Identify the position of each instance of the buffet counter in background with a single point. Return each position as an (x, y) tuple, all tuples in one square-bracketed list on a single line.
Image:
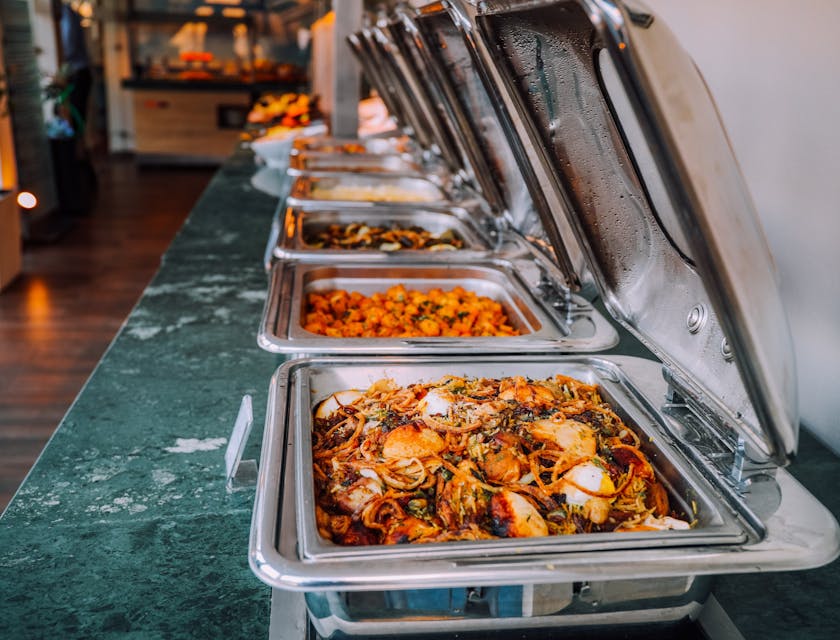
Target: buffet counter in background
[(170, 115), (125, 525)]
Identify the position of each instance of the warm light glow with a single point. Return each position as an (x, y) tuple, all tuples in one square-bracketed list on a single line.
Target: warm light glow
[(233, 12), (204, 11), (38, 307), (227, 2), (27, 200), (85, 9)]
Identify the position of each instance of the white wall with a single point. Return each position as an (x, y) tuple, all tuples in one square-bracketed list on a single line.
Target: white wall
[(774, 69)]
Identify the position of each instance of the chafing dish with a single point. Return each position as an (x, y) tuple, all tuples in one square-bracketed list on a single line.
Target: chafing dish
[(299, 224), (594, 95), (734, 533), (545, 321)]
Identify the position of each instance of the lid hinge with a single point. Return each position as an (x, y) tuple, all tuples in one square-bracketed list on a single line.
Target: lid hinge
[(560, 298), (712, 443)]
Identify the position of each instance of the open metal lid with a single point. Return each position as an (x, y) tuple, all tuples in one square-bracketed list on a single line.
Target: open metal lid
[(420, 92), (624, 128), (384, 64), (360, 46), (479, 123)]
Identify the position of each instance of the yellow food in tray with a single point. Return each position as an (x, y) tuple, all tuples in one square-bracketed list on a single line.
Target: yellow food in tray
[(479, 458), (377, 193), (402, 313)]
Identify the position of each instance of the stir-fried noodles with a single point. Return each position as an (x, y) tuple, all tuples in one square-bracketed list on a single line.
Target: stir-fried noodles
[(467, 459)]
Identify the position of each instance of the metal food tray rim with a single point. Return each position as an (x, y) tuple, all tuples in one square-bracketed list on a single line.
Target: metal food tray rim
[(801, 534)]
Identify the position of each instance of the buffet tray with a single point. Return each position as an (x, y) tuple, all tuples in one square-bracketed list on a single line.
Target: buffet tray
[(286, 551), (572, 325), (297, 223), (365, 191)]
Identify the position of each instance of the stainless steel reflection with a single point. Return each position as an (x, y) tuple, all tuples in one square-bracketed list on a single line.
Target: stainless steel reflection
[(286, 552), (559, 324), (297, 225)]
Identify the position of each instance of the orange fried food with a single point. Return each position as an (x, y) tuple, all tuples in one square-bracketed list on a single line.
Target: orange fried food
[(405, 313)]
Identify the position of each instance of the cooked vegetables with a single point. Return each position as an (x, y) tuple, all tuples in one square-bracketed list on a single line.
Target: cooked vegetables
[(402, 313), (467, 459)]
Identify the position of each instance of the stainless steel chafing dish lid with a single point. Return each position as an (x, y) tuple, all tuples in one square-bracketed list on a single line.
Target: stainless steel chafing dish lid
[(488, 145), (420, 94), (360, 47), (624, 125), (380, 67)]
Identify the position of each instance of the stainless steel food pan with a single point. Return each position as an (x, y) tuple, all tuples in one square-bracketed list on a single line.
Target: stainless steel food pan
[(573, 326), (781, 527), (378, 163), (364, 190), (298, 224)]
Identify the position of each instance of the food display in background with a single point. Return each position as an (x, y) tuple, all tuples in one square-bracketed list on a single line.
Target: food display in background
[(480, 458), (357, 235), (401, 313), (286, 111), (346, 147)]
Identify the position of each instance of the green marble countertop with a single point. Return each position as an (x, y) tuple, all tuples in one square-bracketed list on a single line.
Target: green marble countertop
[(124, 527), (124, 524)]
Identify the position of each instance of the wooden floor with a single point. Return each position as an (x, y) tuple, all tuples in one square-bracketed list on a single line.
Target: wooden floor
[(57, 319)]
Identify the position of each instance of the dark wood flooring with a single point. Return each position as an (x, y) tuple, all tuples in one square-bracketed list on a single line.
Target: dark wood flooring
[(57, 319)]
